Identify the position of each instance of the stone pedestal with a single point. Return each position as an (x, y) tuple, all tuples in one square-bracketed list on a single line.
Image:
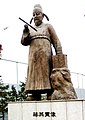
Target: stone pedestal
[(47, 110)]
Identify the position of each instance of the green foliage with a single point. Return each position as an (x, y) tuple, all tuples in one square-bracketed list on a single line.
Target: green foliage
[(21, 93), (3, 97), (7, 95), (13, 96)]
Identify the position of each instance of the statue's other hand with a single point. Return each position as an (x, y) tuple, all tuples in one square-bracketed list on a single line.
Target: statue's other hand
[(26, 29)]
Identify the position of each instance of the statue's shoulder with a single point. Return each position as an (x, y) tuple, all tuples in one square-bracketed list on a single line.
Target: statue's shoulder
[(50, 26), (47, 24)]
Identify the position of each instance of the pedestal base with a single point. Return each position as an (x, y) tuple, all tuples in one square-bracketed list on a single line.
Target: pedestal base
[(47, 110)]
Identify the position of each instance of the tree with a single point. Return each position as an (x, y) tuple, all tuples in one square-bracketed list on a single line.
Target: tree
[(21, 93), (7, 95), (13, 96), (17, 95), (3, 98)]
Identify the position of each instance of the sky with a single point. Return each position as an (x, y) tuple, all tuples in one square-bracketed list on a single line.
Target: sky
[(67, 18)]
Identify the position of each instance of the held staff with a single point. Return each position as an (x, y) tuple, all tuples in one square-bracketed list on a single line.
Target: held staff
[(27, 24)]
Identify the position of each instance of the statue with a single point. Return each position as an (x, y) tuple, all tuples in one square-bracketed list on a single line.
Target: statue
[(62, 85), (46, 74), (40, 54)]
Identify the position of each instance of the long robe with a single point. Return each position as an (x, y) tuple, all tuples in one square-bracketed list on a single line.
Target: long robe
[(40, 53)]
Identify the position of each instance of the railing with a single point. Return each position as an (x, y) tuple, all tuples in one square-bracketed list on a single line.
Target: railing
[(13, 72)]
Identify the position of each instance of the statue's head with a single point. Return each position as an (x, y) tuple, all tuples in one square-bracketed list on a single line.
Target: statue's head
[(38, 15)]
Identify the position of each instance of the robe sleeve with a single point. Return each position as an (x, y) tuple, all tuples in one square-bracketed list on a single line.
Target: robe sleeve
[(25, 39), (54, 40)]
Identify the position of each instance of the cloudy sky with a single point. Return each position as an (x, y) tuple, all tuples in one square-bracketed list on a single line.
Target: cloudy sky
[(66, 16)]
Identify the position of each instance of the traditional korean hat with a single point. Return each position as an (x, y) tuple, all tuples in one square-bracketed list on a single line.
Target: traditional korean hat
[(38, 6)]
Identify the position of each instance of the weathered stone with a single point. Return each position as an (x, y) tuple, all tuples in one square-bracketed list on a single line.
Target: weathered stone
[(62, 85), (40, 53), (59, 61)]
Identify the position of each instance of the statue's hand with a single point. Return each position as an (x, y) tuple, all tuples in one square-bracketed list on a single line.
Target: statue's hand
[(26, 29)]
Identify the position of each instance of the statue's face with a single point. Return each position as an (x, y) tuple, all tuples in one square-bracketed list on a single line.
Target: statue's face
[(37, 16)]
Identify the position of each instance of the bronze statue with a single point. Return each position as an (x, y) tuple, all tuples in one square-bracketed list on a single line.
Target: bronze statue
[(40, 54)]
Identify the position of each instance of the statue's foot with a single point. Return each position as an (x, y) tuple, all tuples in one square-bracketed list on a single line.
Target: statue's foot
[(49, 97), (34, 97), (30, 98)]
